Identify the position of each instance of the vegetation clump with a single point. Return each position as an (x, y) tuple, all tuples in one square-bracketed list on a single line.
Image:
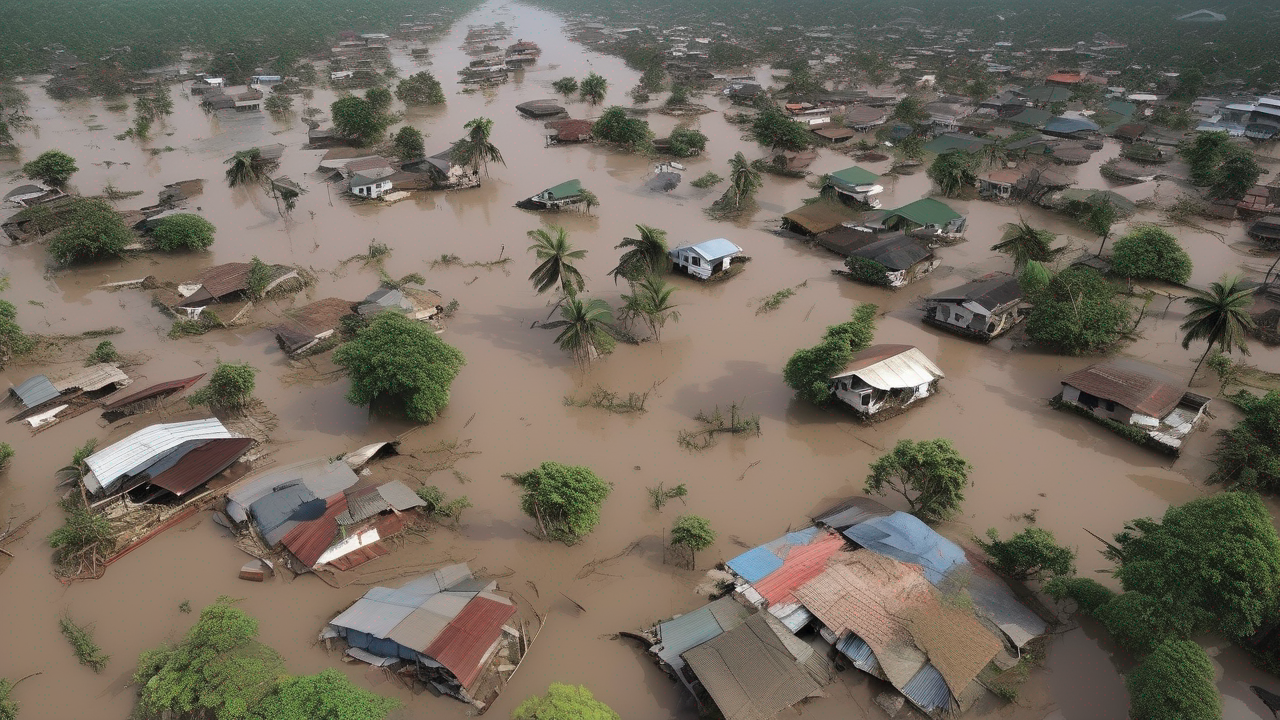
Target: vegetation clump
[(930, 475), (1028, 554), (230, 388), (1149, 252), (105, 352), (744, 182), (866, 270), (1248, 454), (81, 639), (409, 144), (184, 231), (6, 454), (650, 303), (693, 532), (686, 142), (615, 126), (440, 506), (13, 341), (661, 495), (1077, 312), (592, 88), (565, 85), (359, 119), (52, 167), (398, 363), (714, 424), (1024, 244), (775, 130), (93, 231), (953, 172), (565, 500), (420, 88), (1175, 681), (809, 370), (564, 702), (707, 180)]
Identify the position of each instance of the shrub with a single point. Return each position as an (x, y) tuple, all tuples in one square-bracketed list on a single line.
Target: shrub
[(12, 340), (614, 126), (104, 353), (409, 143), (1027, 554), (564, 702), (809, 370), (1175, 681), (1088, 593), (686, 142), (81, 639), (83, 534), (278, 103), (1077, 313), (565, 86), (707, 180), (397, 362), (184, 231), (1248, 454), (230, 387), (93, 232), (1150, 252), (564, 499), (1140, 622), (420, 88), (53, 167), (867, 270), (6, 454)]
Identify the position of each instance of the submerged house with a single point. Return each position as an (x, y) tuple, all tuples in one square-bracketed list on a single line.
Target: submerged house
[(447, 629), (444, 172), (223, 291), (707, 258), (1266, 230), (369, 177), (903, 257), (1167, 413), (556, 197), (46, 401), (885, 377), (413, 303), (349, 529), (568, 130), (854, 184), (925, 214), (819, 217), (540, 108), (311, 325), (123, 404), (985, 308), (164, 460)]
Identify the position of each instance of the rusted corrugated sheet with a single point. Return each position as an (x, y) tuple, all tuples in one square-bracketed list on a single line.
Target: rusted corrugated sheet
[(1135, 390), (200, 465), (154, 391), (463, 644), (308, 540), (225, 279)]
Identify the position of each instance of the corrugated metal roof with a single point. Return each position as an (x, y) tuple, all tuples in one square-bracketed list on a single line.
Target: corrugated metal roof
[(425, 623), (860, 654), (995, 601), (851, 512), (462, 646), (323, 477), (895, 252), (749, 673), (755, 564), (382, 608), (373, 617), (281, 511), (35, 390), (904, 537), (715, 249), (854, 177), (690, 630), (153, 391), (988, 292), (802, 564), (1135, 390), (201, 464), (399, 496), (362, 503), (141, 448), (928, 690), (308, 539), (94, 377), (888, 367)]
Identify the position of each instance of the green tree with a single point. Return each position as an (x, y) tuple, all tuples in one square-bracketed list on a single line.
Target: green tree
[(615, 126), (1219, 317), (1089, 594), (773, 128), (278, 104), (13, 341), (652, 78), (248, 167), (53, 167), (866, 270), (744, 181), (1190, 82), (1099, 217), (379, 97), (1203, 152), (1025, 244), (1248, 454), (564, 702), (400, 363), (650, 302), (1028, 554), (420, 88), (408, 142), (1078, 312), (359, 119), (564, 499), (645, 255), (809, 370), (1175, 681), (6, 454), (1034, 278), (93, 232), (593, 88), (679, 96), (9, 707), (1140, 622), (953, 172), (911, 110), (693, 532), (565, 86), (585, 333), (230, 387), (686, 142), (912, 147), (328, 695), (1149, 252), (556, 259), (477, 148), (105, 352), (1235, 175), (184, 231), (930, 475)]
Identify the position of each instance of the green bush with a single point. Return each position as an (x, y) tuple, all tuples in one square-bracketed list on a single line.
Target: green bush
[(564, 499), (809, 370), (615, 126), (420, 88), (397, 362), (867, 270), (1088, 594), (184, 231), (1176, 682), (81, 639), (564, 702), (93, 232), (565, 86), (686, 142), (930, 474), (13, 341), (707, 180), (6, 454), (1248, 454), (1028, 554), (1140, 622), (1149, 252), (104, 353), (53, 167), (230, 387), (1078, 312), (693, 532)]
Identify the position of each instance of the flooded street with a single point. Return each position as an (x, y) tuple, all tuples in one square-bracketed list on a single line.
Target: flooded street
[(508, 401)]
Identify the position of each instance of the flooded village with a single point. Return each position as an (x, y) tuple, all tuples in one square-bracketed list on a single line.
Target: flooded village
[(718, 367)]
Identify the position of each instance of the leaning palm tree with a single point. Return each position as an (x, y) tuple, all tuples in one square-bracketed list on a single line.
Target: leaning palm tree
[(585, 335), (556, 258), (744, 181), (247, 167), (645, 255), (1024, 243), (476, 149), (1219, 317), (650, 302)]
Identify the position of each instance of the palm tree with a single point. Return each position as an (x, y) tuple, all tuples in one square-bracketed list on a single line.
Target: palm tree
[(744, 180), (1024, 243), (476, 149), (593, 88), (585, 334), (650, 301), (646, 255), (556, 267), (1220, 316), (247, 167)]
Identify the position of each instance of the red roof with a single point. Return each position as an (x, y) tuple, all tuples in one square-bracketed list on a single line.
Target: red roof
[(462, 645), (310, 539), (802, 564), (156, 390), (1065, 78), (198, 466), (1133, 389)]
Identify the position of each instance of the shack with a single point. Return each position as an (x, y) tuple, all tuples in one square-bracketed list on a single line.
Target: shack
[(369, 177), (444, 172), (556, 197), (856, 185), (819, 217), (904, 258), (568, 130), (414, 303), (707, 258), (164, 460), (885, 377), (46, 401), (1133, 397), (312, 325), (228, 287), (349, 531), (984, 309), (540, 108), (123, 404), (928, 214), (999, 183)]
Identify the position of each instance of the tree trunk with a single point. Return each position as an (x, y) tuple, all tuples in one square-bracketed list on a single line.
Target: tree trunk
[(1202, 357)]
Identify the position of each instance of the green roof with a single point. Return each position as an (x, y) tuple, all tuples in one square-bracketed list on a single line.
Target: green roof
[(1120, 107), (926, 212), (1032, 117), (566, 189), (1047, 93), (854, 177), (952, 142)]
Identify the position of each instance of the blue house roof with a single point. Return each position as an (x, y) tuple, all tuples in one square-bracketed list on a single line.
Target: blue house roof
[(715, 249), (905, 538), (694, 628), (757, 563)]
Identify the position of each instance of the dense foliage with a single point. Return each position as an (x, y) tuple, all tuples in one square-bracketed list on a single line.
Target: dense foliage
[(930, 475), (650, 302), (328, 695), (53, 167), (1175, 681), (1088, 594), (693, 532), (93, 232), (6, 454), (809, 370), (564, 702), (420, 88), (1026, 244), (1028, 554), (1078, 312), (409, 144), (400, 363), (105, 352), (615, 126), (13, 341), (565, 85), (686, 142), (592, 88), (230, 387), (867, 270), (1149, 252), (645, 255), (953, 172), (184, 231), (9, 707), (774, 129), (564, 499), (1248, 454), (359, 119)]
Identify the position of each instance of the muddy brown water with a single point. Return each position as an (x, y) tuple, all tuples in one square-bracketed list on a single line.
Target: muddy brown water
[(508, 401)]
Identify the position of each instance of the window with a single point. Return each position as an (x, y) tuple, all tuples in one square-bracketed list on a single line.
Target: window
[(695, 261), (866, 399)]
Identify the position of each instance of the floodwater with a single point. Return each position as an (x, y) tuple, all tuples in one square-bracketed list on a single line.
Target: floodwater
[(508, 402)]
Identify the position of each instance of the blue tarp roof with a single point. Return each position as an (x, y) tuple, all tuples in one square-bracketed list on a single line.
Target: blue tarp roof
[(905, 538), (690, 630), (757, 563)]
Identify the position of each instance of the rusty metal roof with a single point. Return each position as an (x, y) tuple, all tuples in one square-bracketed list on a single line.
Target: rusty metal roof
[(310, 538), (156, 390), (302, 326), (801, 564), (1135, 390), (201, 464), (144, 447), (463, 644)]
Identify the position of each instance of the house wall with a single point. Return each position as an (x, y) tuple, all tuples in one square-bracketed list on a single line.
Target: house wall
[(375, 190), (695, 265), (866, 400), (1101, 408)]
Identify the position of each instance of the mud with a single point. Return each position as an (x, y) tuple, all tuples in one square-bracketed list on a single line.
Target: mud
[(508, 401)]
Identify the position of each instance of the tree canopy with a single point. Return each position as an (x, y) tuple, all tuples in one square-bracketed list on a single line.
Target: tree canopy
[(1149, 252), (564, 702), (409, 144), (230, 387), (328, 695), (420, 88), (400, 363), (1078, 312), (615, 126), (930, 475), (565, 500), (184, 231), (775, 130), (1248, 454), (93, 232), (953, 172), (592, 88), (1175, 681), (565, 85), (686, 142), (1025, 244), (809, 370), (359, 119), (693, 532), (1028, 554), (52, 166)]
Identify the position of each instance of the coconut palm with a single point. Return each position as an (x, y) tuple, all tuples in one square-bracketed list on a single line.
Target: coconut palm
[(650, 302), (744, 180), (1220, 316), (476, 149), (645, 255), (247, 167), (593, 88), (585, 334), (556, 258), (1024, 243)]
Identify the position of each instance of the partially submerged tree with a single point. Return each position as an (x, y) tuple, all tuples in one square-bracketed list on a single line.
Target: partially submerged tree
[(564, 499), (585, 333), (93, 232), (930, 475), (52, 167), (645, 255), (359, 119), (686, 142), (564, 702), (328, 695), (650, 302), (379, 97), (420, 88), (615, 126), (400, 364), (1025, 244), (565, 86), (1219, 317), (693, 532), (1099, 217), (910, 110), (477, 148), (556, 259), (1248, 454), (744, 182), (13, 341), (184, 231), (1176, 681), (248, 167), (278, 104), (1149, 252), (593, 88), (1029, 554), (230, 388), (953, 172), (409, 144), (809, 370), (1203, 153), (1235, 175), (775, 130), (1078, 312), (6, 454)]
